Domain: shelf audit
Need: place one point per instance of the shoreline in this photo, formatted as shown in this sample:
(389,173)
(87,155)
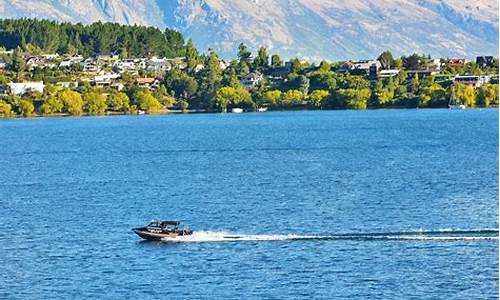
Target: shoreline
(191,112)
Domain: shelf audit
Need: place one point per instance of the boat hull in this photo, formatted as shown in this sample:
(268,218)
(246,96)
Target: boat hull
(157,236)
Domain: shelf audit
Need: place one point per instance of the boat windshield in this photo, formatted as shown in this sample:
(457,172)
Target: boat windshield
(154,224)
(168,225)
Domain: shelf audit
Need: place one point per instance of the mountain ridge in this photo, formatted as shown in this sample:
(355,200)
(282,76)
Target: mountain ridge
(311,29)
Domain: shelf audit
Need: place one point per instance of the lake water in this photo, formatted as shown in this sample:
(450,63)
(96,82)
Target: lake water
(303,196)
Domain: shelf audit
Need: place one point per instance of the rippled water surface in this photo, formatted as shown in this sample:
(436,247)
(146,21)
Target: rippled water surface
(362,205)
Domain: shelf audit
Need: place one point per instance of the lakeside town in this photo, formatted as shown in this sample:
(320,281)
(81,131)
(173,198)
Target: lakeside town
(34,82)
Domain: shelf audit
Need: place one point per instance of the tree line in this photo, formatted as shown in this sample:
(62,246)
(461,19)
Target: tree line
(214,87)
(88,100)
(88,40)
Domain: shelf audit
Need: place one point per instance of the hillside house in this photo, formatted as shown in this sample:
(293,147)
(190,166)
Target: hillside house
(472,80)
(277,73)
(456,62)
(388,73)
(159,65)
(345,67)
(484,61)
(107,59)
(117,86)
(21,88)
(224,65)
(421,73)
(149,82)
(41,61)
(69,61)
(434,65)
(125,65)
(178,62)
(89,65)
(252,79)
(67,84)
(198,68)
(368,68)
(105,80)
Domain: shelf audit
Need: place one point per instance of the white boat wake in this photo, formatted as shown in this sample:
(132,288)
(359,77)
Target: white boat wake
(439,235)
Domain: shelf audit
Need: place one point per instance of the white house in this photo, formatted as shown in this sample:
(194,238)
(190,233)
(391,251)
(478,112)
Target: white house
(472,80)
(251,79)
(125,65)
(107,77)
(67,84)
(149,83)
(158,64)
(388,73)
(72,60)
(91,68)
(20,88)
(198,68)
(223,65)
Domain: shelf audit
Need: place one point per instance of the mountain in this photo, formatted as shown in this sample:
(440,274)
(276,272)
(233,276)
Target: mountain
(312,29)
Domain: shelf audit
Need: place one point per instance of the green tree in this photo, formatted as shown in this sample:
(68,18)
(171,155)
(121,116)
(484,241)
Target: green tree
(32,49)
(296,66)
(147,102)
(324,67)
(318,98)
(231,80)
(412,62)
(292,98)
(433,95)
(398,63)
(386,60)
(487,94)
(322,80)
(276,61)
(52,105)
(89,40)
(168,101)
(213,74)
(353,82)
(414,84)
(73,102)
(119,102)
(465,94)
(191,55)
(211,80)
(383,96)
(183,105)
(271,98)
(5,110)
(233,97)
(184,86)
(4,80)
(353,98)
(261,62)
(94,103)
(26,108)
(244,54)
(304,84)
(18,65)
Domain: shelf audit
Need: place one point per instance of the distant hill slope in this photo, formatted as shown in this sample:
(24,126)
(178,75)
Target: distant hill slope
(313,29)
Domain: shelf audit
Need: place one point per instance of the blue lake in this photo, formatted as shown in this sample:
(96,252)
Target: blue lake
(290,184)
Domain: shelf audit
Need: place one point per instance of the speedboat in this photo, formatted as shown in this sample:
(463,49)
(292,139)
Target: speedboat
(157,230)
(237,110)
